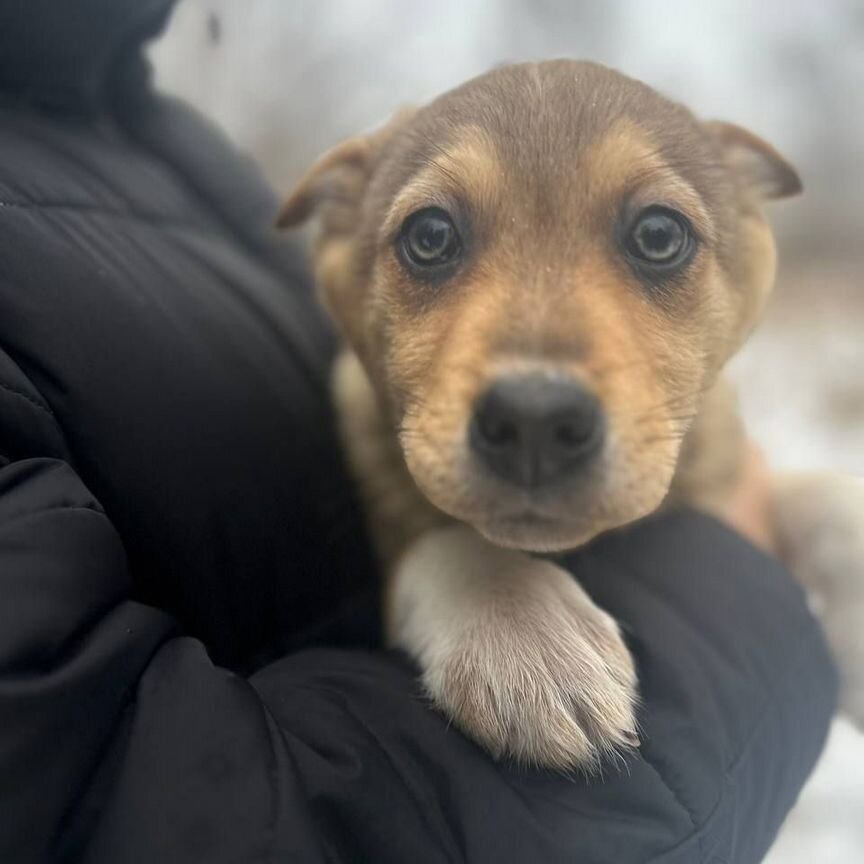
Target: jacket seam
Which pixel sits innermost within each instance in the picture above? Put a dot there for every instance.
(730, 766)
(672, 789)
(154, 219)
(731, 769)
(418, 798)
(35, 402)
(274, 820)
(59, 508)
(127, 703)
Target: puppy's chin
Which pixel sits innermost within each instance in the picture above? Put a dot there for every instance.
(519, 524)
(535, 534)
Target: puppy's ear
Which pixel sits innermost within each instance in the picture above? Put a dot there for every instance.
(755, 161)
(331, 178)
(340, 176)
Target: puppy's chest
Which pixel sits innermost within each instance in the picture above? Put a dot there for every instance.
(711, 453)
(396, 511)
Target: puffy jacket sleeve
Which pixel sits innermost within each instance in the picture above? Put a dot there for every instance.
(121, 742)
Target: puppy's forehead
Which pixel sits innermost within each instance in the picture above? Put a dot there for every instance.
(552, 128)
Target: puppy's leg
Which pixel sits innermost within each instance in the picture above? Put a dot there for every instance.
(513, 650)
(819, 521)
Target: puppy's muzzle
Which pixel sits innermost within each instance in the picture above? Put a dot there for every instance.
(535, 430)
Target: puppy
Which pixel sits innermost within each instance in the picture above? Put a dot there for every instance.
(539, 277)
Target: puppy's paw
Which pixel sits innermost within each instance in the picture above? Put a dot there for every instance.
(820, 527)
(515, 652)
(546, 684)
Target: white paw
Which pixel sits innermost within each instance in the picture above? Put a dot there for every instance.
(543, 683)
(514, 652)
(820, 527)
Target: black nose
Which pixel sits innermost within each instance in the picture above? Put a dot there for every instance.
(533, 430)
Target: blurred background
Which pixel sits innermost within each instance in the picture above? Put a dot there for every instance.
(286, 80)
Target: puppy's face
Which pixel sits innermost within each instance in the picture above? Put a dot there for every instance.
(542, 272)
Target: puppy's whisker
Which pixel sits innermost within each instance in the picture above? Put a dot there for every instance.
(661, 439)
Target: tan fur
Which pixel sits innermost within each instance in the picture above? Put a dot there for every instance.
(472, 159)
(711, 453)
(540, 160)
(397, 513)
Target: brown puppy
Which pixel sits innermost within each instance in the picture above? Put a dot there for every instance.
(539, 277)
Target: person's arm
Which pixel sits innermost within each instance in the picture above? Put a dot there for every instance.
(120, 741)
(71, 652)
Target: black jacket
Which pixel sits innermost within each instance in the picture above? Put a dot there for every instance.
(172, 506)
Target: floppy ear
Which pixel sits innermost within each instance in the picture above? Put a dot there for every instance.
(338, 172)
(340, 176)
(755, 161)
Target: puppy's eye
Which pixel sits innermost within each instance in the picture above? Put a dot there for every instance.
(659, 237)
(429, 238)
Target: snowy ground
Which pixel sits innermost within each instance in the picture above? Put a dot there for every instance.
(801, 381)
(826, 825)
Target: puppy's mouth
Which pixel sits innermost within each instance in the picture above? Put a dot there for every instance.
(539, 439)
(556, 515)
(539, 463)
(542, 470)
(537, 531)
(532, 533)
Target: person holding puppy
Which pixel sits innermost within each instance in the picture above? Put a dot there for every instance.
(190, 659)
